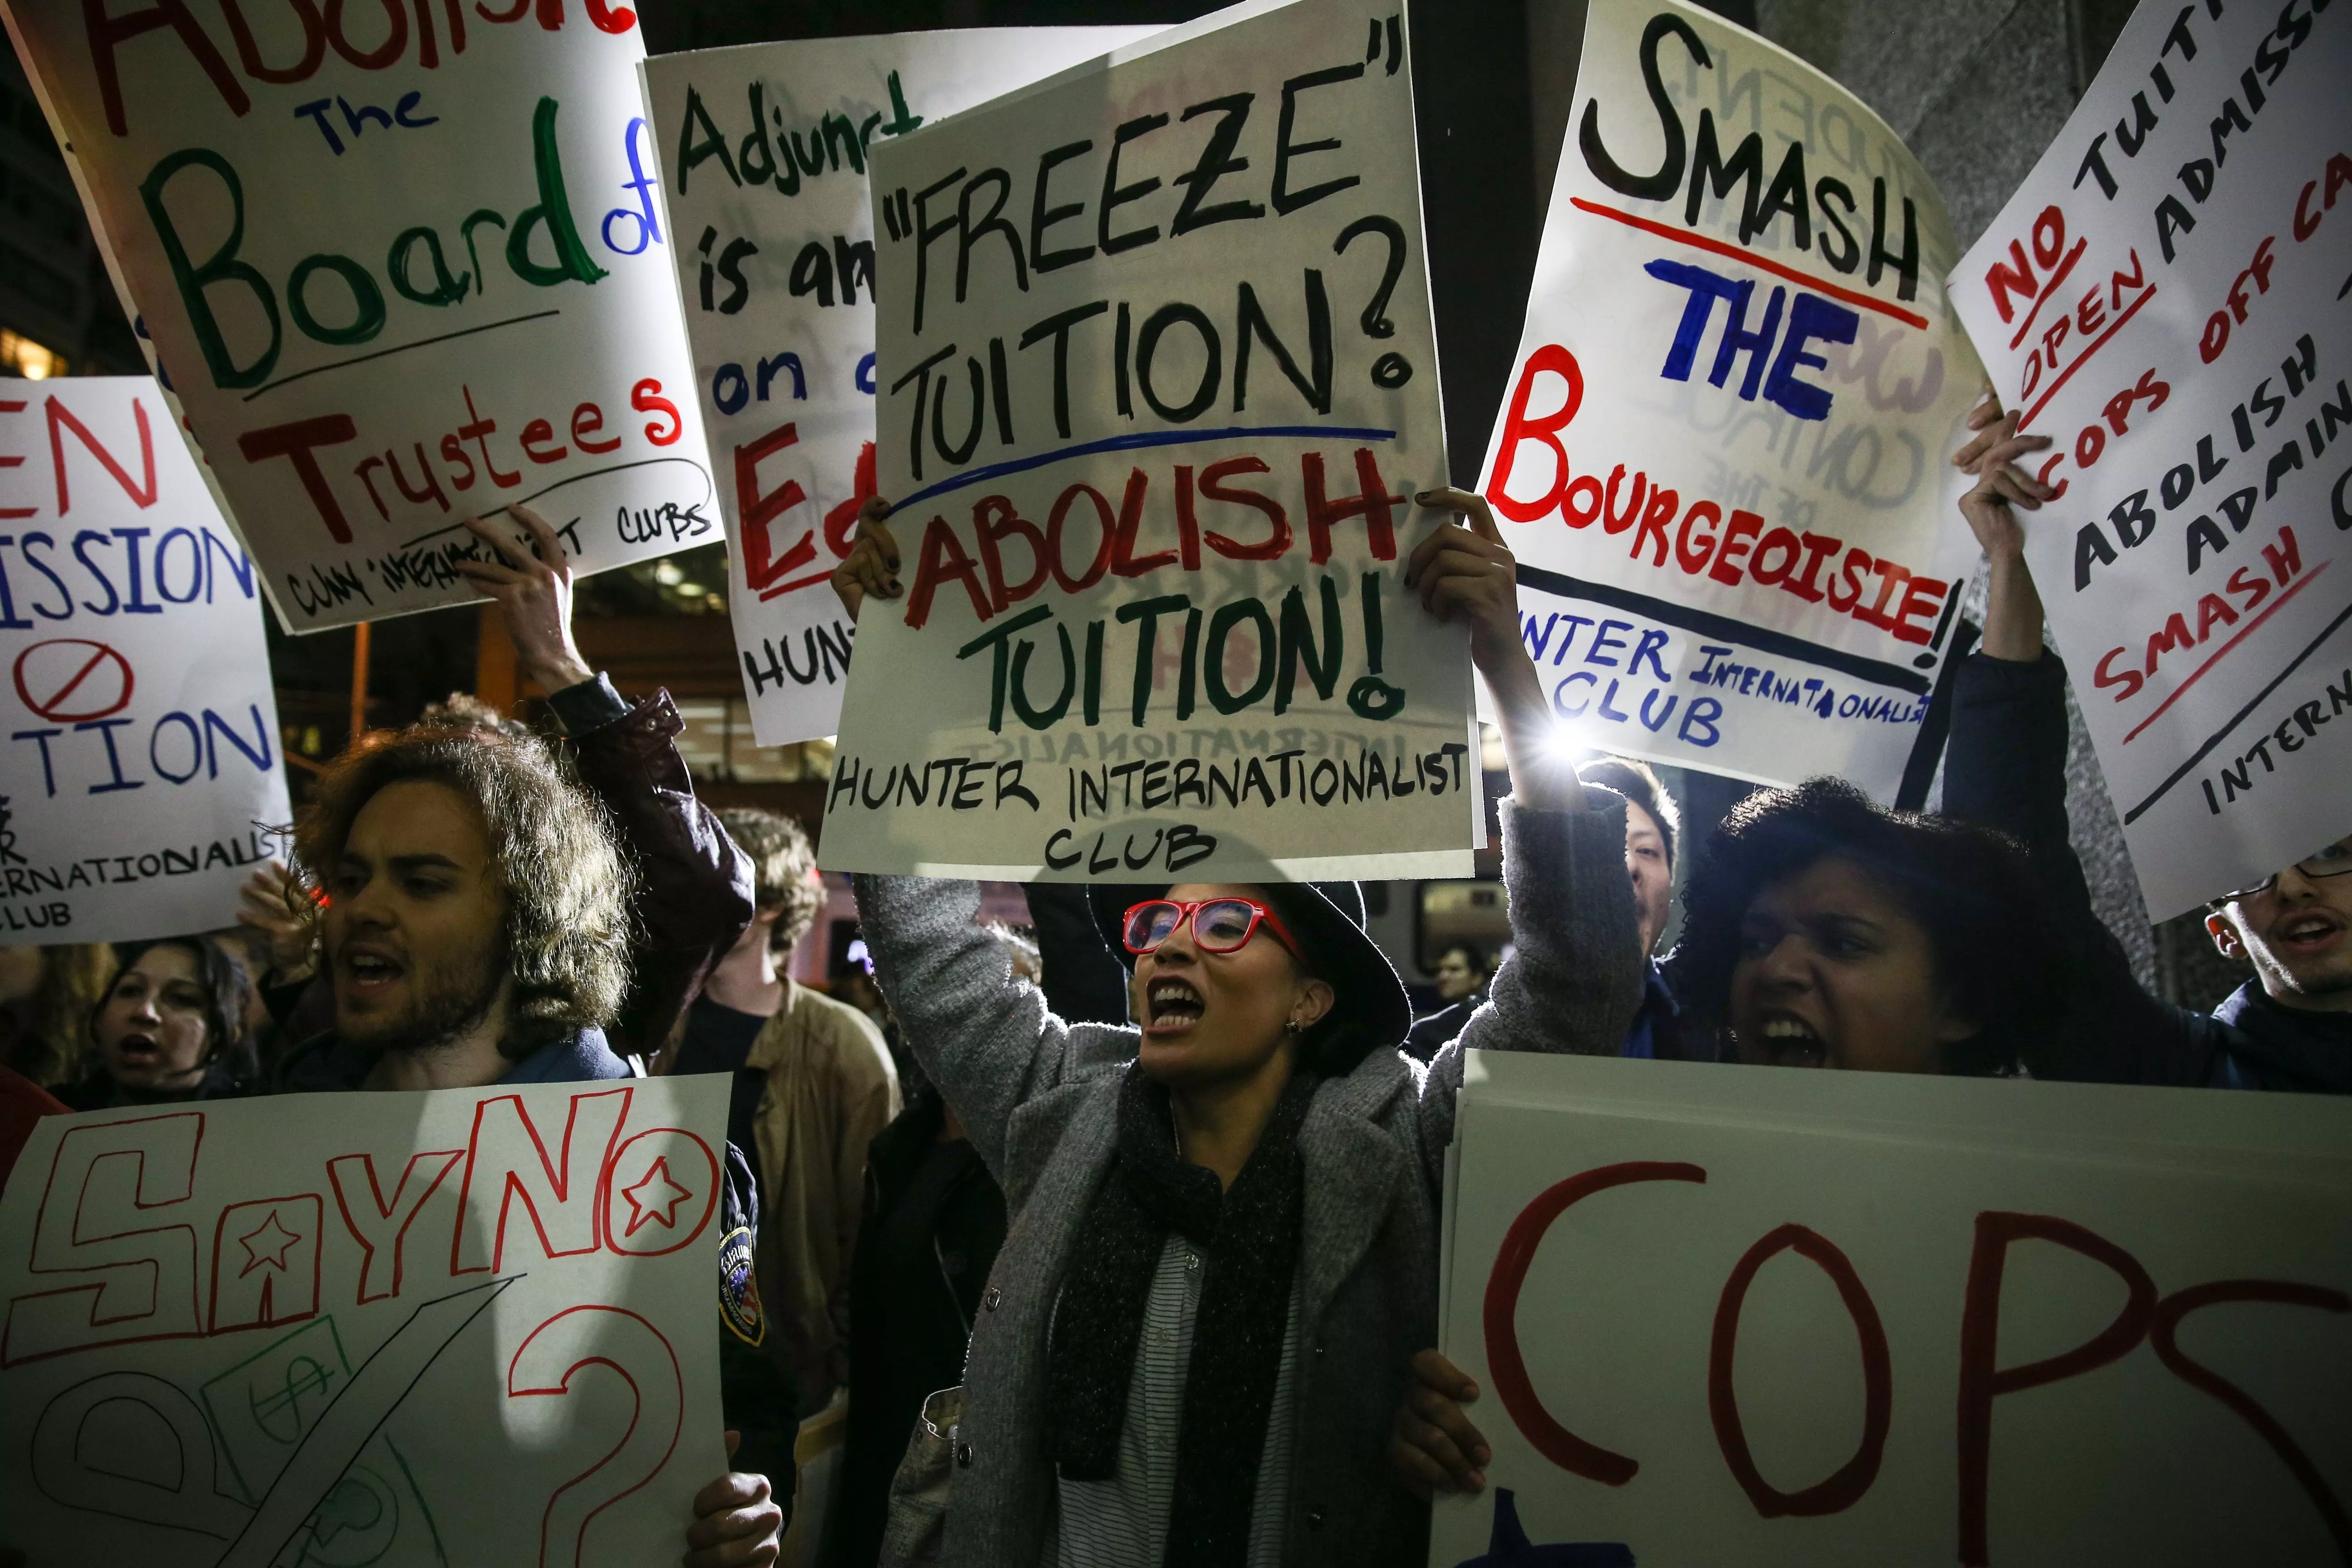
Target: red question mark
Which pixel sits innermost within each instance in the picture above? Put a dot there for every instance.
(616, 1337)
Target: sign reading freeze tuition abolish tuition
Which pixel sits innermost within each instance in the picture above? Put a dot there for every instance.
(1155, 387)
(1722, 460)
(139, 774)
(398, 268)
(2166, 298)
(764, 153)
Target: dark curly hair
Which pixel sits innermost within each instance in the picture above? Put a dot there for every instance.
(781, 859)
(1971, 888)
(221, 971)
(567, 884)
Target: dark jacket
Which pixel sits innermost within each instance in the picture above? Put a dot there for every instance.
(695, 886)
(2006, 769)
(753, 1394)
(934, 1221)
(99, 1092)
(2282, 1047)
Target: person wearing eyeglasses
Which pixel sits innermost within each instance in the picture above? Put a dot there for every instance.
(1223, 1249)
(2289, 1026)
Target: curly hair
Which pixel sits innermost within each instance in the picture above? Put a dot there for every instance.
(781, 862)
(567, 885)
(1971, 890)
(221, 971)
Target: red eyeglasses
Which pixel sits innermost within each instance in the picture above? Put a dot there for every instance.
(1218, 925)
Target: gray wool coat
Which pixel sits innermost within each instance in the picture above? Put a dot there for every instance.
(1039, 1099)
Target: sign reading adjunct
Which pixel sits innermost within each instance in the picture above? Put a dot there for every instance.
(141, 777)
(398, 266)
(764, 152)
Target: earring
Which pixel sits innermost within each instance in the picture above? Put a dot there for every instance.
(1290, 1026)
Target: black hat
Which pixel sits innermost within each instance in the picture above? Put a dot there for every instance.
(1369, 1007)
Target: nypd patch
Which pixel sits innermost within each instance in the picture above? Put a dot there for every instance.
(738, 1292)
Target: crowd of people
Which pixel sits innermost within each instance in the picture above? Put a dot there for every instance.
(1155, 1184)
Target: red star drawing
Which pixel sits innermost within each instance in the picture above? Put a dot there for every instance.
(264, 1249)
(660, 1204)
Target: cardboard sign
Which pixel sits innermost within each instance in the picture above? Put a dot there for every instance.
(249, 1333)
(763, 156)
(2165, 299)
(398, 268)
(1721, 462)
(1752, 1315)
(1155, 387)
(141, 780)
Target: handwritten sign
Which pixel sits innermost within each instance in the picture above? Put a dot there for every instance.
(1751, 1315)
(396, 268)
(2165, 299)
(1721, 460)
(247, 1332)
(140, 775)
(763, 161)
(1156, 387)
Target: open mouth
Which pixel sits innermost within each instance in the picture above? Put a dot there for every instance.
(369, 973)
(138, 1050)
(1793, 1043)
(1175, 1005)
(2309, 932)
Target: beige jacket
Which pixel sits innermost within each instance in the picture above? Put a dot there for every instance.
(831, 1087)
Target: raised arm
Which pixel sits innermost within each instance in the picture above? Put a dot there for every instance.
(983, 1035)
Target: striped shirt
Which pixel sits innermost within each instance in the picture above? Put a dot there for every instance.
(1123, 1522)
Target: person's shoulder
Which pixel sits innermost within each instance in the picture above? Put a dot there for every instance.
(844, 1028)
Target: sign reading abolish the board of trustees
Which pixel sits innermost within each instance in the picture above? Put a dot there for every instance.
(2165, 298)
(1157, 384)
(1722, 458)
(469, 1328)
(764, 154)
(398, 266)
(139, 778)
(1724, 1314)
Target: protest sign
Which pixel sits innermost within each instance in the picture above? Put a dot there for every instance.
(1156, 385)
(2164, 298)
(777, 270)
(1721, 462)
(473, 1327)
(1752, 1315)
(141, 779)
(397, 270)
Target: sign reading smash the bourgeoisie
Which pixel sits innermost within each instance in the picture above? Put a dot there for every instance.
(140, 775)
(764, 154)
(1155, 387)
(240, 1333)
(1722, 460)
(2166, 298)
(398, 266)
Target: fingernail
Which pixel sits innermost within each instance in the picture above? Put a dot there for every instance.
(1422, 496)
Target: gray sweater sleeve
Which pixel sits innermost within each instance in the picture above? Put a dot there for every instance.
(1574, 981)
(983, 1035)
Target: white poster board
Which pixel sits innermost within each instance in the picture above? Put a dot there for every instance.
(1157, 384)
(1721, 459)
(475, 1326)
(2165, 298)
(141, 778)
(1723, 1314)
(397, 268)
(764, 152)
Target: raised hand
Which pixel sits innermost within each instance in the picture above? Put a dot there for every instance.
(533, 594)
(872, 567)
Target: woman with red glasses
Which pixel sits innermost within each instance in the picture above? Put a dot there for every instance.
(1223, 1252)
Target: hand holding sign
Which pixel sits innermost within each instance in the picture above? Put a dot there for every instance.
(533, 594)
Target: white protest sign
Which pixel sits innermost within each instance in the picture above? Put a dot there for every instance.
(475, 1326)
(1157, 384)
(397, 270)
(763, 156)
(1721, 462)
(1750, 1315)
(2165, 299)
(141, 777)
